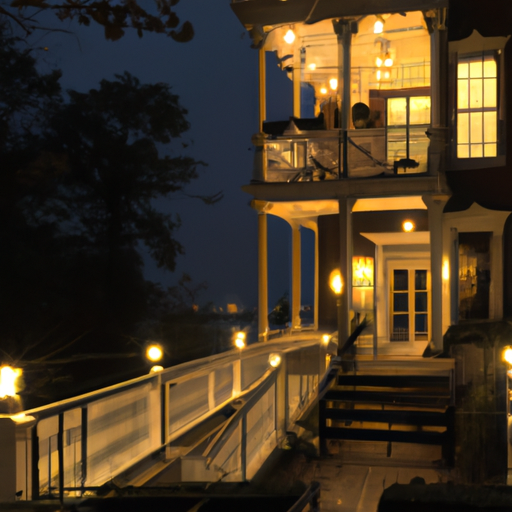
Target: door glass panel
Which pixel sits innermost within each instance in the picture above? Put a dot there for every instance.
(401, 302)
(400, 278)
(420, 301)
(420, 280)
(400, 328)
(421, 327)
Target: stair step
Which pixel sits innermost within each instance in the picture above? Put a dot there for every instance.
(394, 436)
(418, 418)
(396, 381)
(389, 397)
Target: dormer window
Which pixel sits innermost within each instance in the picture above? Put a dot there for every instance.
(477, 106)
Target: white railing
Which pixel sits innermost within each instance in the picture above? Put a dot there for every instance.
(79, 444)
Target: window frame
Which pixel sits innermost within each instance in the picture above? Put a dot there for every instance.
(483, 161)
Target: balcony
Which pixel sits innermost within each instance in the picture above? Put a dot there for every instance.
(317, 155)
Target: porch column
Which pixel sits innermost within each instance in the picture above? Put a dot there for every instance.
(345, 219)
(439, 268)
(262, 277)
(312, 223)
(296, 275)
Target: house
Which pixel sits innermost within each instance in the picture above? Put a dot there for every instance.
(398, 157)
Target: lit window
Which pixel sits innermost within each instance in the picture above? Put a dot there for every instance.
(477, 106)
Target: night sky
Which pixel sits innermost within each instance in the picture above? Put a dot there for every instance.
(215, 76)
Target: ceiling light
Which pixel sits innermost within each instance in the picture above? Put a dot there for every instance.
(289, 37)
(378, 27)
(408, 226)
(333, 83)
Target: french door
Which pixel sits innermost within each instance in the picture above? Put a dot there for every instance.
(409, 303)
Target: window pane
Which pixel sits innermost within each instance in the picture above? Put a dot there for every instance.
(420, 280)
(463, 128)
(401, 280)
(420, 302)
(477, 151)
(490, 93)
(463, 70)
(397, 111)
(419, 110)
(475, 93)
(401, 302)
(397, 143)
(490, 130)
(491, 150)
(463, 94)
(476, 127)
(475, 69)
(463, 151)
(490, 67)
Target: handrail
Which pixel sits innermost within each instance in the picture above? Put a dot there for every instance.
(310, 497)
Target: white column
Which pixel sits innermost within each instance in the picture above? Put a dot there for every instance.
(296, 275)
(438, 256)
(262, 277)
(345, 219)
(312, 223)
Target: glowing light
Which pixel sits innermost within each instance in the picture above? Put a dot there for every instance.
(323, 90)
(378, 27)
(408, 226)
(274, 360)
(240, 340)
(379, 74)
(8, 378)
(326, 338)
(335, 281)
(156, 368)
(362, 271)
(388, 61)
(289, 37)
(378, 62)
(446, 270)
(333, 83)
(386, 75)
(312, 66)
(507, 355)
(154, 353)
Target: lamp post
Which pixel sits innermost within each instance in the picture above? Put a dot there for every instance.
(8, 386)
(154, 354)
(336, 284)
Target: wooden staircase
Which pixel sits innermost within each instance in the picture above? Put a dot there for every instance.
(389, 408)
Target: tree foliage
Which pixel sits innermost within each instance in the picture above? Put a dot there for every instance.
(115, 16)
(80, 182)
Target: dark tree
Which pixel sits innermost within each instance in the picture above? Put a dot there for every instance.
(114, 15)
(80, 184)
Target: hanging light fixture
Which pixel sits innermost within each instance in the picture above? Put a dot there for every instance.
(378, 27)
(289, 37)
(388, 60)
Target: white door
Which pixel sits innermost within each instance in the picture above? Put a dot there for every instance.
(409, 301)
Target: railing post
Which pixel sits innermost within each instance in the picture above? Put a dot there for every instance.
(60, 454)
(243, 448)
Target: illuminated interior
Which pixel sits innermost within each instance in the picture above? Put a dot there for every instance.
(389, 90)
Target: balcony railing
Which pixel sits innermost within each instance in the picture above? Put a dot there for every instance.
(318, 155)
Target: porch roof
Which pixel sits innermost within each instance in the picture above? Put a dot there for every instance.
(276, 12)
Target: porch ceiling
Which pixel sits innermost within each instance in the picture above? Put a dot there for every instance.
(295, 210)
(382, 204)
(399, 238)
